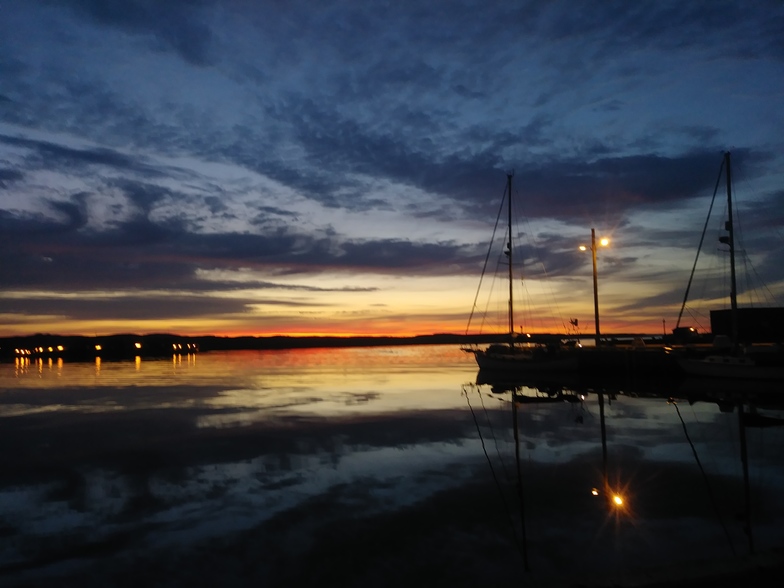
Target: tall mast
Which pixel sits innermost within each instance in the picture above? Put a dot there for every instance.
(731, 243)
(509, 256)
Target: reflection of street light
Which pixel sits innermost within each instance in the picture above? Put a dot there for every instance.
(604, 242)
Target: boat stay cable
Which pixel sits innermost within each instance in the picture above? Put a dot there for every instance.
(487, 258)
(699, 247)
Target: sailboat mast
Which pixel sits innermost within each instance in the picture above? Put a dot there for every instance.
(509, 256)
(731, 243)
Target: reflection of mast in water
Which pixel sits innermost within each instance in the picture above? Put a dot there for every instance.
(751, 418)
(744, 459)
(519, 481)
(715, 506)
(501, 384)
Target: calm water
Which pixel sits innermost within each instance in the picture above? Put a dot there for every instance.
(351, 467)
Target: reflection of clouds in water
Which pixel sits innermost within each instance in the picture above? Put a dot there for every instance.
(213, 499)
(258, 405)
(351, 399)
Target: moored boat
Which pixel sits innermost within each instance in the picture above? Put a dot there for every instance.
(523, 354)
(736, 360)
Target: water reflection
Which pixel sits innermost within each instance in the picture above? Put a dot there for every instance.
(641, 452)
(365, 466)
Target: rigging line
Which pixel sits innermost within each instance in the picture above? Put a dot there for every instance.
(740, 248)
(554, 300)
(492, 433)
(487, 257)
(523, 220)
(495, 478)
(699, 247)
(741, 245)
(697, 317)
(771, 297)
(704, 476)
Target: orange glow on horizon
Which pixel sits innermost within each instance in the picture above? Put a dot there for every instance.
(376, 329)
(398, 325)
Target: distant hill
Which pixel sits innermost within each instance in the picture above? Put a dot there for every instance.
(120, 346)
(128, 345)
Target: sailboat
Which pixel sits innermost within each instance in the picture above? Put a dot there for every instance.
(523, 355)
(737, 362)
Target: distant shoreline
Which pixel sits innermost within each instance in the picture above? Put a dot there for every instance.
(127, 345)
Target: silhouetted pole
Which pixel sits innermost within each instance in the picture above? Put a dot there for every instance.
(595, 286)
(509, 257)
(731, 243)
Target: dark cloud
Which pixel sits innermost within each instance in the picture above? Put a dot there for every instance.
(75, 212)
(7, 176)
(130, 307)
(670, 26)
(176, 24)
(578, 189)
(141, 254)
(49, 155)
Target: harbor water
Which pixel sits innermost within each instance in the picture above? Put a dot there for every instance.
(374, 466)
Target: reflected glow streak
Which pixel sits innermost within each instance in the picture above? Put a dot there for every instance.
(257, 386)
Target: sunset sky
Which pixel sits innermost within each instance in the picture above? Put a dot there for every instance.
(336, 167)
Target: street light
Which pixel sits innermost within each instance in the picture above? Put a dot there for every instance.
(604, 242)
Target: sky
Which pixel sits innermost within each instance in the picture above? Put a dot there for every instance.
(241, 167)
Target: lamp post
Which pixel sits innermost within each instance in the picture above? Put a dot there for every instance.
(603, 242)
(595, 286)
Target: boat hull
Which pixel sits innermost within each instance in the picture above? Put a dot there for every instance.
(526, 363)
